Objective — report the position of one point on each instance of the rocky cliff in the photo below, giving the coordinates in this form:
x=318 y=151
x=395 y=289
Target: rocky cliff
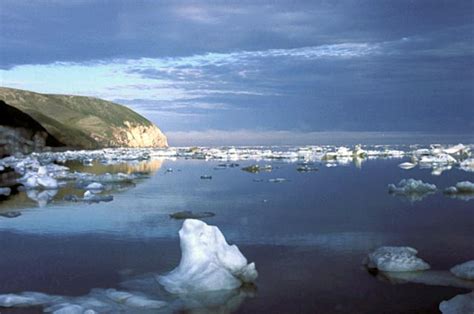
x=84 y=122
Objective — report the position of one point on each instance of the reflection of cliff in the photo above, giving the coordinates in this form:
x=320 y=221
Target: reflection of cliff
x=148 y=166
x=43 y=197
x=21 y=133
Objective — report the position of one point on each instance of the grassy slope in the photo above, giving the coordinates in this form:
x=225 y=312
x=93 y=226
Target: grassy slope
x=72 y=119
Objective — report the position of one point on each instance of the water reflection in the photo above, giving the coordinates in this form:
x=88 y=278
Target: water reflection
x=21 y=198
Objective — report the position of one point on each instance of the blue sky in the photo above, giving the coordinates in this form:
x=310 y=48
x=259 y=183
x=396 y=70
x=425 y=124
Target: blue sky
x=251 y=66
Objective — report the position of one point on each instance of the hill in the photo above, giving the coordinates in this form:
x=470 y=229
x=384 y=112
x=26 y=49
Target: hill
x=85 y=122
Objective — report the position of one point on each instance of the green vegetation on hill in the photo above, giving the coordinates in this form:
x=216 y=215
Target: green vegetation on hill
x=78 y=121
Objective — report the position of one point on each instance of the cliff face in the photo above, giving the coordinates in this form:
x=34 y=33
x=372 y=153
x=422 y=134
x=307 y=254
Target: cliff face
x=85 y=122
x=21 y=133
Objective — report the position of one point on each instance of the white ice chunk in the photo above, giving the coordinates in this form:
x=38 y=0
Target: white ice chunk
x=5 y=191
x=9 y=300
x=414 y=190
x=460 y=304
x=465 y=187
x=67 y=308
x=396 y=259
x=438 y=159
x=467 y=165
x=39 y=180
x=407 y=165
x=464 y=270
x=137 y=301
x=462 y=190
x=207 y=263
x=95 y=186
x=97 y=301
x=455 y=149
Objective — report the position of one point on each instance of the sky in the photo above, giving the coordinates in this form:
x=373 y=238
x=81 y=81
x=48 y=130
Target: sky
x=253 y=69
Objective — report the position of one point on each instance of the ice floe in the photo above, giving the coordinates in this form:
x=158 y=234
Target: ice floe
x=207 y=263
x=5 y=191
x=460 y=304
x=278 y=180
x=39 y=180
x=407 y=165
x=97 y=301
x=396 y=259
x=464 y=270
x=462 y=190
x=442 y=278
x=467 y=165
x=412 y=189
x=46 y=170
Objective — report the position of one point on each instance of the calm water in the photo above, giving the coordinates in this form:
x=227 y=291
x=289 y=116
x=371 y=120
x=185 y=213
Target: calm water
x=308 y=236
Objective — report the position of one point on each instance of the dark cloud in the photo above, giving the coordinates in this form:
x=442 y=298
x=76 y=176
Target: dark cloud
x=309 y=66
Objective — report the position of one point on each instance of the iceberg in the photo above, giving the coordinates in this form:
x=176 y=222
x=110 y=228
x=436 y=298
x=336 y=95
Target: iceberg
x=396 y=259
x=464 y=270
x=207 y=263
x=460 y=304
x=462 y=190
x=414 y=190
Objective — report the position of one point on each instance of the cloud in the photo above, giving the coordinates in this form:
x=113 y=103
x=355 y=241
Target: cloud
x=167 y=79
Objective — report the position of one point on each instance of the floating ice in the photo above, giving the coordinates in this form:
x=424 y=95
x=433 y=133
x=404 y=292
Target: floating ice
x=258 y=168
x=464 y=270
x=413 y=189
x=429 y=277
x=97 y=301
x=460 y=304
x=396 y=259
x=306 y=168
x=94 y=198
x=5 y=191
x=440 y=159
x=207 y=263
x=462 y=190
x=457 y=149
x=89 y=197
x=95 y=186
x=407 y=165
x=39 y=180
x=277 y=180
x=467 y=165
